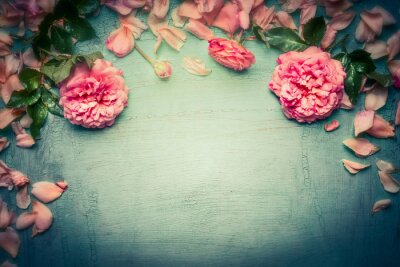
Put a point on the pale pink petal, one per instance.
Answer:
(263, 16)
(8, 115)
(10, 242)
(364, 33)
(155, 23)
(333, 125)
(361, 147)
(329, 37)
(209, 17)
(119, 7)
(200, 30)
(333, 8)
(346, 103)
(23, 199)
(6, 216)
(376, 97)
(25, 220)
(134, 25)
(177, 20)
(363, 121)
(4, 143)
(207, 6)
(195, 66)
(13, 64)
(173, 36)
(5, 38)
(388, 19)
(12, 84)
(393, 45)
(386, 166)
(381, 128)
(120, 41)
(283, 19)
(341, 21)
(373, 20)
(397, 120)
(18, 178)
(381, 205)
(29, 59)
(21, 29)
(228, 18)
(46, 191)
(43, 220)
(160, 8)
(189, 9)
(389, 183)
(354, 167)
(23, 139)
(307, 13)
(63, 185)
(377, 49)
(26, 121)
(245, 7)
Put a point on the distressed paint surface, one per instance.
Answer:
(206, 171)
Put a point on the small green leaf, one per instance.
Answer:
(79, 28)
(352, 83)
(65, 8)
(259, 34)
(23, 98)
(61, 39)
(90, 58)
(57, 70)
(384, 79)
(362, 61)
(314, 30)
(343, 58)
(50, 100)
(39, 42)
(30, 78)
(38, 112)
(86, 6)
(285, 39)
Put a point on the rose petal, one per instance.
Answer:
(341, 21)
(346, 103)
(333, 125)
(200, 30)
(43, 220)
(373, 20)
(354, 167)
(30, 60)
(363, 121)
(160, 8)
(195, 66)
(329, 37)
(377, 49)
(25, 220)
(361, 147)
(13, 64)
(26, 121)
(388, 19)
(120, 41)
(23, 199)
(177, 20)
(397, 119)
(155, 23)
(386, 166)
(381, 128)
(4, 143)
(46, 191)
(307, 13)
(376, 97)
(10, 242)
(23, 139)
(173, 36)
(262, 16)
(188, 9)
(228, 18)
(389, 183)
(364, 33)
(134, 25)
(393, 45)
(285, 20)
(6, 216)
(8, 115)
(333, 8)
(12, 84)
(63, 185)
(381, 205)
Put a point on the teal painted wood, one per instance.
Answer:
(206, 171)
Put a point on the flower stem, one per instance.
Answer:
(143, 54)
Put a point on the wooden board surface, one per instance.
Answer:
(206, 171)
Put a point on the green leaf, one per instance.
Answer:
(39, 42)
(23, 98)
(65, 9)
(50, 100)
(285, 39)
(79, 28)
(343, 58)
(30, 78)
(352, 83)
(384, 79)
(86, 6)
(61, 39)
(38, 112)
(58, 70)
(362, 61)
(257, 30)
(314, 30)
(90, 58)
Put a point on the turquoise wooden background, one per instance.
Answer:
(206, 171)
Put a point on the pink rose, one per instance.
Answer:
(309, 84)
(94, 98)
(230, 54)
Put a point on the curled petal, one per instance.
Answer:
(393, 45)
(46, 191)
(195, 66)
(13, 64)
(160, 8)
(4, 143)
(376, 97)
(388, 19)
(188, 9)
(23, 139)
(364, 33)
(174, 37)
(389, 183)
(346, 103)
(177, 20)
(307, 13)
(8, 115)
(386, 166)
(334, 8)
(63, 185)
(43, 220)
(119, 6)
(155, 24)
(333, 125)
(5, 38)
(361, 147)
(373, 20)
(6, 216)
(228, 18)
(381, 128)
(26, 121)
(120, 41)
(377, 49)
(134, 25)
(263, 16)
(285, 20)
(23, 199)
(363, 121)
(25, 220)
(10, 242)
(354, 167)
(381, 205)
(12, 84)
(329, 37)
(29, 59)
(200, 30)
(341, 21)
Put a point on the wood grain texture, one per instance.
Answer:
(206, 171)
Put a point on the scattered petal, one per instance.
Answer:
(6, 216)
(12, 84)
(329, 37)
(177, 20)
(354, 167)
(341, 21)
(23, 199)
(361, 147)
(394, 68)
(376, 97)
(174, 37)
(4, 143)
(389, 183)
(307, 13)
(46, 191)
(10, 242)
(285, 20)
(13, 64)
(26, 121)
(30, 60)
(363, 121)
(189, 9)
(346, 103)
(120, 41)
(393, 45)
(377, 49)
(10, 177)
(373, 20)
(386, 166)
(155, 24)
(199, 29)
(43, 220)
(381, 128)
(364, 33)
(8, 115)
(381, 205)
(160, 8)
(228, 18)
(333, 125)
(25, 220)
(23, 139)
(334, 8)
(388, 19)
(262, 16)
(134, 25)
(63, 185)
(195, 66)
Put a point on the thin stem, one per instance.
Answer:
(143, 54)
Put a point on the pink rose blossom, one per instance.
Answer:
(309, 84)
(162, 69)
(230, 54)
(94, 98)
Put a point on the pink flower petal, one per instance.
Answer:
(389, 183)
(363, 121)
(13, 64)
(134, 25)
(285, 20)
(346, 103)
(393, 45)
(23, 199)
(189, 9)
(376, 97)
(43, 220)
(386, 166)
(29, 59)
(381, 128)
(373, 20)
(25, 220)
(155, 23)
(120, 41)
(381, 205)
(4, 143)
(12, 84)
(46, 191)
(23, 139)
(354, 167)
(307, 13)
(377, 49)
(160, 8)
(6, 216)
(177, 20)
(195, 66)
(228, 18)
(388, 19)
(245, 7)
(10, 15)
(8, 115)
(364, 33)
(26, 121)
(207, 6)
(263, 16)
(394, 68)
(329, 37)
(10, 242)
(63, 185)
(333, 8)
(200, 30)
(341, 21)
(361, 147)
(174, 37)
(119, 6)
(333, 125)
(397, 120)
